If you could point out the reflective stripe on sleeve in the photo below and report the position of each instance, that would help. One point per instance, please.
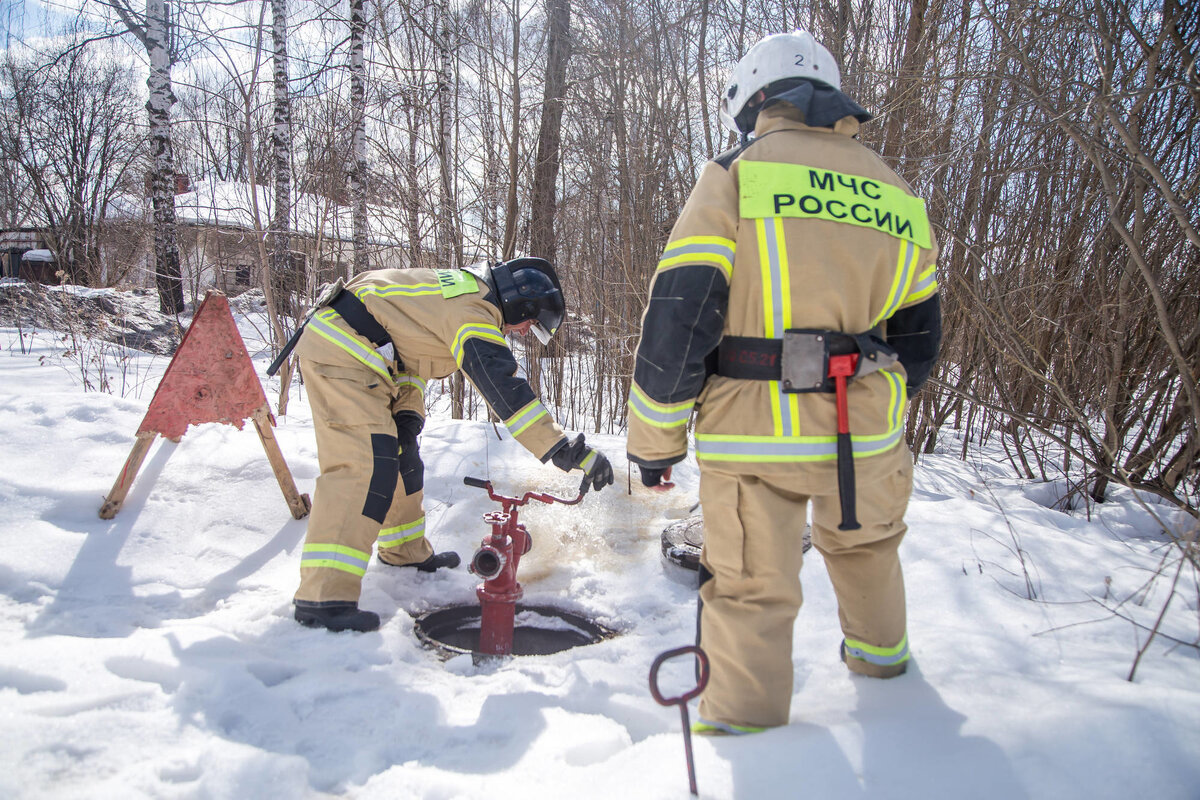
(659, 415)
(925, 285)
(394, 537)
(408, 379)
(716, 251)
(335, 556)
(477, 329)
(519, 422)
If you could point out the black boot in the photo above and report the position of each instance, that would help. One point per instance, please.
(336, 616)
(448, 560)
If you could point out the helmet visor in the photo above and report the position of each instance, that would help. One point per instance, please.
(541, 332)
(549, 317)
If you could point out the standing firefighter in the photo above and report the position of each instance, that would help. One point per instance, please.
(795, 307)
(366, 356)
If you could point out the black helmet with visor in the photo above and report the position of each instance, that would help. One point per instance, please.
(528, 289)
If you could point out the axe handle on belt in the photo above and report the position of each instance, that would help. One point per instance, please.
(287, 349)
(842, 367)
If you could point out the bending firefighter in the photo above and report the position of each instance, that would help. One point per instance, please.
(795, 309)
(366, 355)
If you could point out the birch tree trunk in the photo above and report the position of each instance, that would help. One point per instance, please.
(167, 276)
(249, 100)
(358, 110)
(153, 31)
(281, 143)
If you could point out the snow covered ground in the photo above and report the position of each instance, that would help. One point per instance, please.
(155, 655)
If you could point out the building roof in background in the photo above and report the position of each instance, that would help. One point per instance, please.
(231, 204)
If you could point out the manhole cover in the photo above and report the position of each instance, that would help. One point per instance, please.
(537, 630)
(682, 540)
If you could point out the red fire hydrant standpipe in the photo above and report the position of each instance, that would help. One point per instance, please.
(496, 562)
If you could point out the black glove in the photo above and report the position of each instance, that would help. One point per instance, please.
(412, 469)
(408, 424)
(599, 470)
(595, 465)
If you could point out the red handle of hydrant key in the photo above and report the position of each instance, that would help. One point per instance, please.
(480, 483)
(701, 675)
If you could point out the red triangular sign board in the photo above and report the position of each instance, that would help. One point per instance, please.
(210, 379)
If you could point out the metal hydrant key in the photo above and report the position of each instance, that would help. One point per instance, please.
(682, 700)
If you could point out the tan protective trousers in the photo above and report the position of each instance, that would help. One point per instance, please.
(752, 548)
(359, 496)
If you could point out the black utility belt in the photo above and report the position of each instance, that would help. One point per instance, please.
(351, 309)
(800, 360)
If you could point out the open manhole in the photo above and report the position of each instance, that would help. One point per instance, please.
(537, 631)
(682, 540)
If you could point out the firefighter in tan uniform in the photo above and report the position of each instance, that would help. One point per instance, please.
(366, 357)
(799, 256)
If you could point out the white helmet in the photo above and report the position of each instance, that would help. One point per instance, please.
(775, 58)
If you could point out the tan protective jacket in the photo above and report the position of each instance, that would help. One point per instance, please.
(439, 321)
(802, 228)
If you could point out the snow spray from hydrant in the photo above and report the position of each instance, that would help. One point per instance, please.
(496, 562)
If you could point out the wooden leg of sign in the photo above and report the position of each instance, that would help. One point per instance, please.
(112, 503)
(298, 503)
